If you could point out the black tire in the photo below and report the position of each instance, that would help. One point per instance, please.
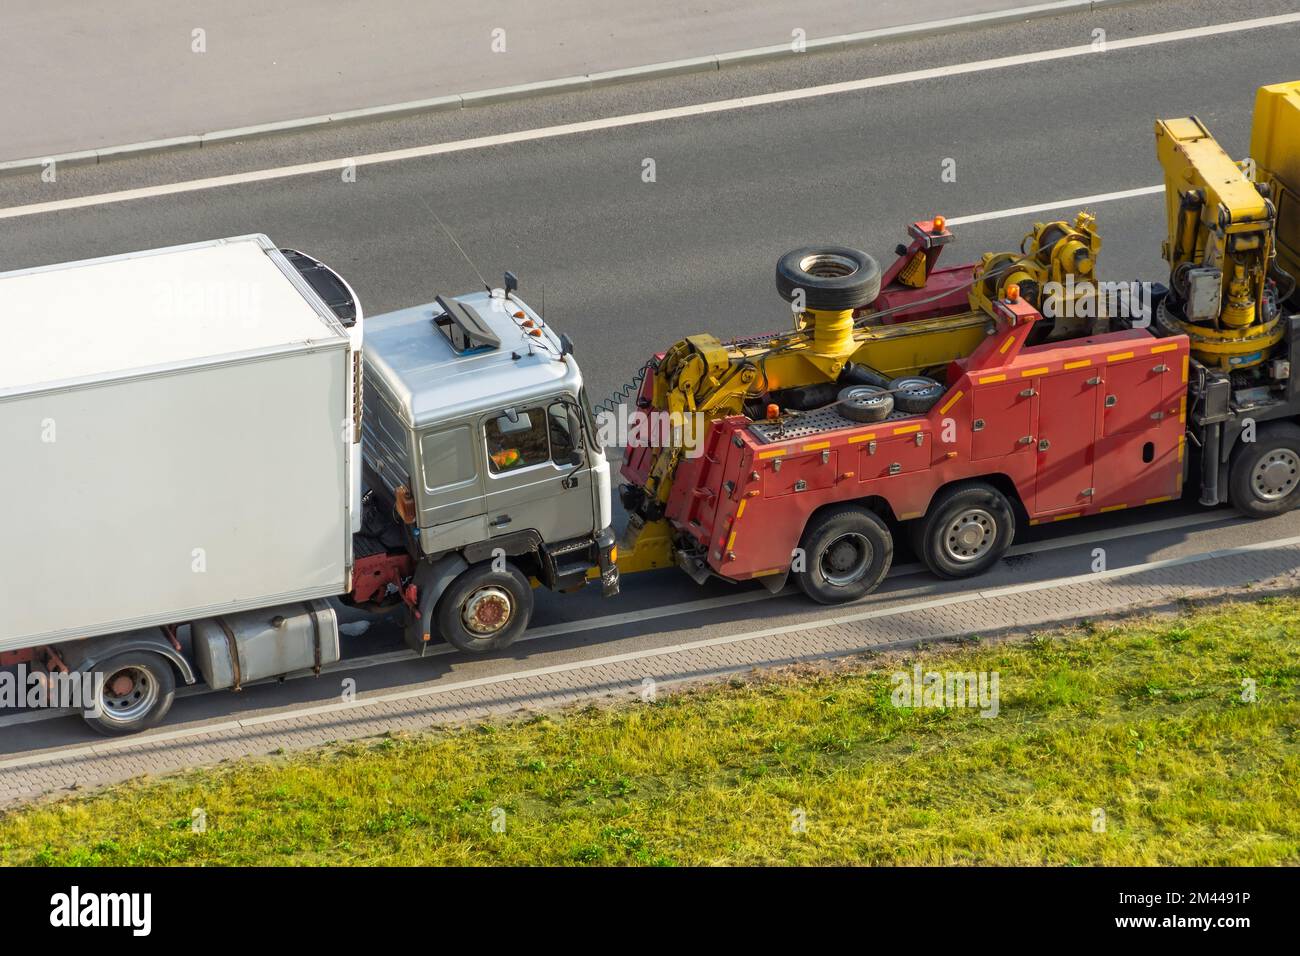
(865, 403)
(847, 551)
(1264, 477)
(483, 594)
(143, 704)
(915, 394)
(832, 278)
(946, 538)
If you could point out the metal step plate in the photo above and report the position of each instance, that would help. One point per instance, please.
(806, 424)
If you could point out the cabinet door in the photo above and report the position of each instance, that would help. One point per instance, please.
(1003, 419)
(1067, 435)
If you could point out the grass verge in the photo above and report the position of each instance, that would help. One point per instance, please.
(1143, 721)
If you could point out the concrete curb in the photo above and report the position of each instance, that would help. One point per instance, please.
(570, 84)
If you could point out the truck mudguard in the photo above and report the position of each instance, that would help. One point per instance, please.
(431, 580)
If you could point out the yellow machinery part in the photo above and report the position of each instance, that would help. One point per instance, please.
(1275, 148)
(1220, 238)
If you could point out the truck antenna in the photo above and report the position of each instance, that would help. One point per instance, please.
(458, 246)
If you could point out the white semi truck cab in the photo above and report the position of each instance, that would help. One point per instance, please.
(482, 467)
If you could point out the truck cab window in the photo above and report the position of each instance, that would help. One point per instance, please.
(564, 434)
(522, 443)
(447, 457)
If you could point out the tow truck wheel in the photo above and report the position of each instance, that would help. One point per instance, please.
(846, 553)
(138, 690)
(485, 610)
(1264, 479)
(967, 530)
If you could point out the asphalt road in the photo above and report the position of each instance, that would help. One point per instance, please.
(95, 75)
(630, 266)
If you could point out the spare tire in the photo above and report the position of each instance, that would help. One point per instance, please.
(915, 393)
(865, 403)
(832, 278)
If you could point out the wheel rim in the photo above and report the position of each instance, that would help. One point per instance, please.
(487, 611)
(846, 559)
(969, 536)
(129, 694)
(1275, 475)
(865, 396)
(915, 387)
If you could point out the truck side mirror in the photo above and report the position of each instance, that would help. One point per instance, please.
(566, 344)
(512, 282)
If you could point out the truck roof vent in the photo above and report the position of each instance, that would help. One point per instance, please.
(464, 327)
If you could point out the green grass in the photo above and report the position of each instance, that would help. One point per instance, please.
(1144, 720)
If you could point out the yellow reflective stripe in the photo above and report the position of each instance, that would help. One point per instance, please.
(950, 403)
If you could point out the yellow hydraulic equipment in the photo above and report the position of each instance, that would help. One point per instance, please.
(1220, 250)
(1055, 271)
(1275, 150)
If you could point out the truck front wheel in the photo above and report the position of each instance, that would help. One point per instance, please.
(846, 552)
(137, 692)
(1265, 476)
(485, 610)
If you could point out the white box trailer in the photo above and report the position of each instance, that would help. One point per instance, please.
(179, 438)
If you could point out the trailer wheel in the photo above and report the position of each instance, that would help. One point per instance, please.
(1264, 479)
(846, 552)
(485, 610)
(865, 403)
(831, 278)
(915, 393)
(966, 531)
(137, 692)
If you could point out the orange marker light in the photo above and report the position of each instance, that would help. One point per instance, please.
(519, 315)
(773, 410)
(536, 332)
(939, 223)
(1013, 293)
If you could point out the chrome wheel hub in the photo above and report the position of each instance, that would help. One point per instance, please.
(128, 694)
(970, 535)
(1275, 475)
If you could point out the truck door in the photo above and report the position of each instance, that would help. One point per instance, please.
(452, 507)
(1067, 427)
(537, 474)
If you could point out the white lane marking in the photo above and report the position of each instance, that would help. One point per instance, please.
(687, 607)
(646, 654)
(652, 116)
(1046, 206)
